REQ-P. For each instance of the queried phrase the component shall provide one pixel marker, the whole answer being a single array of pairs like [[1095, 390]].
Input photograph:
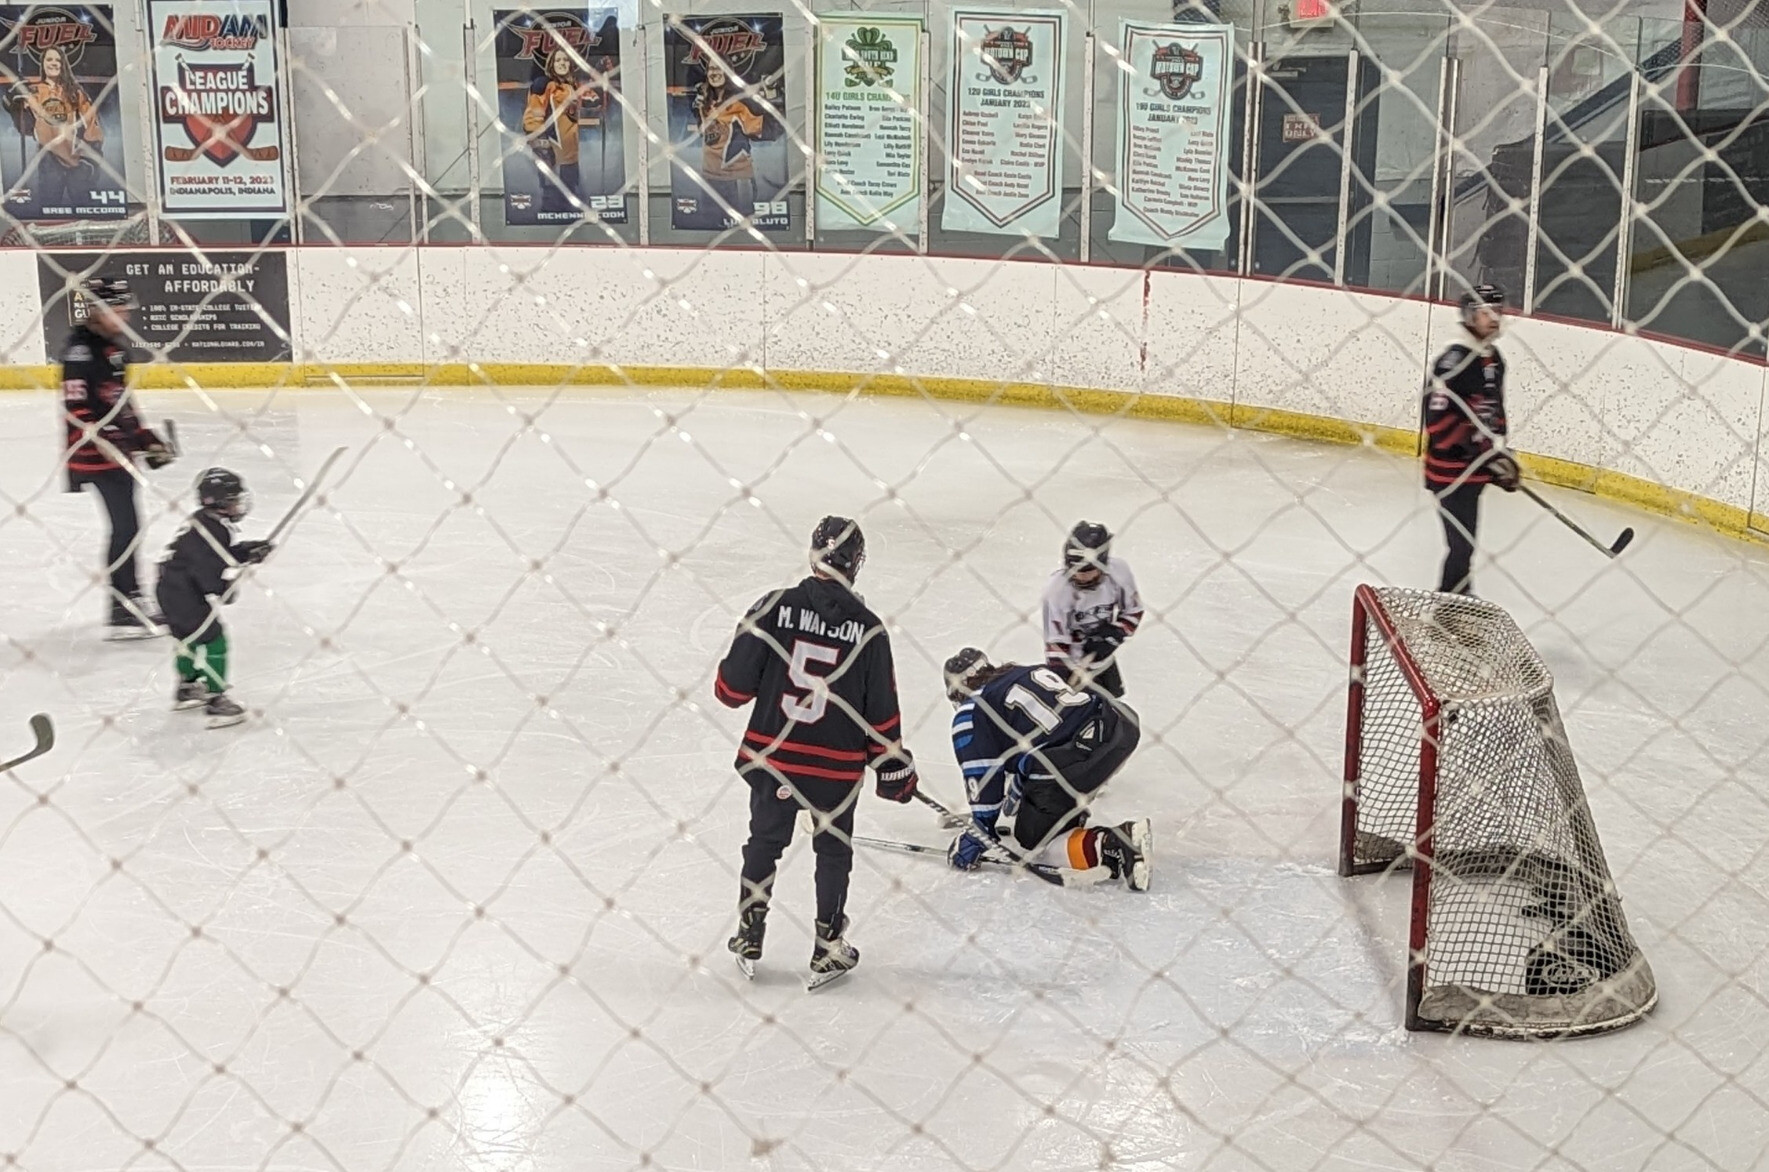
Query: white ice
[[457, 895]]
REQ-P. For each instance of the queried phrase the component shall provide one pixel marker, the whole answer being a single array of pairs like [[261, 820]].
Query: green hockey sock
[[187, 665], [215, 663]]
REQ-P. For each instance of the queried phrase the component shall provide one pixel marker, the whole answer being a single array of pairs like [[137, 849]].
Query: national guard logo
[[45, 29], [730, 41], [1176, 69], [1007, 53], [871, 58]]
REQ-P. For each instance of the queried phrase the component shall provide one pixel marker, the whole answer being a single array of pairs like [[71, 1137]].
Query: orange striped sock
[[1083, 849]]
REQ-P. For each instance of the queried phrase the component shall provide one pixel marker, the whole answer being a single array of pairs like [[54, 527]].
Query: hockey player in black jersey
[[1465, 432], [195, 578], [1034, 752], [816, 664]]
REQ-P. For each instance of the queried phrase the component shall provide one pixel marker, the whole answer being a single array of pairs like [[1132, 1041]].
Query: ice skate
[[831, 957], [189, 694], [131, 621], [746, 946], [223, 711], [1124, 849]]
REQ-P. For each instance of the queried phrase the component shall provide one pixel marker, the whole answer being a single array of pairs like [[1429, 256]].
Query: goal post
[[1457, 766]]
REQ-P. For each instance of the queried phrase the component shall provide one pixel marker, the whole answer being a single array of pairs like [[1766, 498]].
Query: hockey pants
[[771, 822], [116, 490], [1065, 777]]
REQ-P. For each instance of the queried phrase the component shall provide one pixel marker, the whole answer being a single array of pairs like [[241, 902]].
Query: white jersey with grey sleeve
[[1073, 614]]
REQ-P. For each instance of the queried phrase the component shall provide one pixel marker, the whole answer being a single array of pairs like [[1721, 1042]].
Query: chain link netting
[[457, 893]]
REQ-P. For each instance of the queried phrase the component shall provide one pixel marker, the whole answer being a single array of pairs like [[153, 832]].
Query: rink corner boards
[[1646, 495]]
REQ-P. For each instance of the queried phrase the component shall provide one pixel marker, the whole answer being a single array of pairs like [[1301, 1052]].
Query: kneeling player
[[1035, 750], [196, 567]]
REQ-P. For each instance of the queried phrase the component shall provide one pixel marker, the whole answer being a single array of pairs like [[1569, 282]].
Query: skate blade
[[747, 967], [226, 721], [817, 981], [188, 705], [130, 634]]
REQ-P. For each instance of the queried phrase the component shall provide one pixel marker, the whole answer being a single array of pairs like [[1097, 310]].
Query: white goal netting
[[606, 309]]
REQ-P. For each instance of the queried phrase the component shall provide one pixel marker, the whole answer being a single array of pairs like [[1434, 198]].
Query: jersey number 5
[[810, 708], [1033, 705]]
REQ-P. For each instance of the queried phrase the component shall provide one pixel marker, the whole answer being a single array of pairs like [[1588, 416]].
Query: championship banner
[[559, 107], [220, 306], [868, 137], [61, 148], [217, 127], [725, 79], [1004, 168], [1173, 135]]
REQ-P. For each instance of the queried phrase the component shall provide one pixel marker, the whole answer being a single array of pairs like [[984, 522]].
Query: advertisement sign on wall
[[725, 80], [218, 141], [1004, 165], [559, 106], [869, 133], [61, 155], [218, 307]]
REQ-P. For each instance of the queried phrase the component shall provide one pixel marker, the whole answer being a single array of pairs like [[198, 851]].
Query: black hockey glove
[[897, 778], [1102, 644], [251, 552], [157, 454]]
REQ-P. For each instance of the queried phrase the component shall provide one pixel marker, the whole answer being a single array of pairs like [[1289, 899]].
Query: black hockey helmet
[[963, 672], [838, 548], [1087, 547], [224, 492], [111, 291], [1481, 297]]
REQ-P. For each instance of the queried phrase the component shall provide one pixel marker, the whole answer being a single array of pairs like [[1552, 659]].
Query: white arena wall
[[1669, 427]]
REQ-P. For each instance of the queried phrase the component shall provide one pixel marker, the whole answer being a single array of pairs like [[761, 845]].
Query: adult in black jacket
[[1465, 431], [104, 434], [816, 664], [198, 567]]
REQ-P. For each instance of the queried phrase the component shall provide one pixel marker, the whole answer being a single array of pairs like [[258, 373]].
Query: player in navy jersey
[[1036, 751], [1465, 431], [817, 665]]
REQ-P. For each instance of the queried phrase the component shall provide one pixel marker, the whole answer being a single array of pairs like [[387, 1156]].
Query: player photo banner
[[559, 105], [1173, 135], [725, 79], [869, 135], [61, 145], [217, 121], [1004, 162]]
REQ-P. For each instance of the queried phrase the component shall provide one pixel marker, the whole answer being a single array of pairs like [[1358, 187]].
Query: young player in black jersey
[[195, 577], [1465, 433], [104, 434], [1035, 751], [817, 665]]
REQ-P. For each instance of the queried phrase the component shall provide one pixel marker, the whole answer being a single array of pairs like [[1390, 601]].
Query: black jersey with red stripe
[[1464, 415], [817, 664], [102, 426]]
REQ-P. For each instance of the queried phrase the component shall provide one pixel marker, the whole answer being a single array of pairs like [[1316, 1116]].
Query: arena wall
[[1668, 427]]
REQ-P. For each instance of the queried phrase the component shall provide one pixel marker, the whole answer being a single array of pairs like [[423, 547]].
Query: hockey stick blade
[[171, 429], [1610, 550], [44, 730], [1055, 876]]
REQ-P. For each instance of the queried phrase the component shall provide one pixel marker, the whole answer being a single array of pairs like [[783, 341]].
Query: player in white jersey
[[1090, 607]]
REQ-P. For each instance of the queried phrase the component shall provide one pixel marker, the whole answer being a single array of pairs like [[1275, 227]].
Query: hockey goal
[[1457, 765]]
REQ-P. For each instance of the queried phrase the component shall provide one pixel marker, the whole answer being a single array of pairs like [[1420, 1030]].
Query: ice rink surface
[[456, 897]]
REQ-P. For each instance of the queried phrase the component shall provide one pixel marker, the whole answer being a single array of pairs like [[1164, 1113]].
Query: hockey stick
[[171, 429], [1056, 876], [306, 494], [949, 819], [44, 731], [1611, 550]]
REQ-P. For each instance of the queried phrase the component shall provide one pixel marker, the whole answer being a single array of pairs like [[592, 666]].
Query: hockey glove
[[1505, 472], [252, 552], [157, 454], [897, 778], [967, 850]]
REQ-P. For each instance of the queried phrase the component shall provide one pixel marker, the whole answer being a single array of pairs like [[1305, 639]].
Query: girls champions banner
[[559, 105], [725, 80], [61, 144], [1173, 135], [1004, 162], [217, 121], [868, 135]]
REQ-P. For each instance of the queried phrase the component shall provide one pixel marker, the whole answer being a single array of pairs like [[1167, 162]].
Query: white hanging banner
[[1173, 135], [869, 140], [1004, 161], [217, 118]]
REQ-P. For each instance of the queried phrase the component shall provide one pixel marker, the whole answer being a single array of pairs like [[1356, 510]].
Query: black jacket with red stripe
[[1464, 416], [101, 420], [817, 663]]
